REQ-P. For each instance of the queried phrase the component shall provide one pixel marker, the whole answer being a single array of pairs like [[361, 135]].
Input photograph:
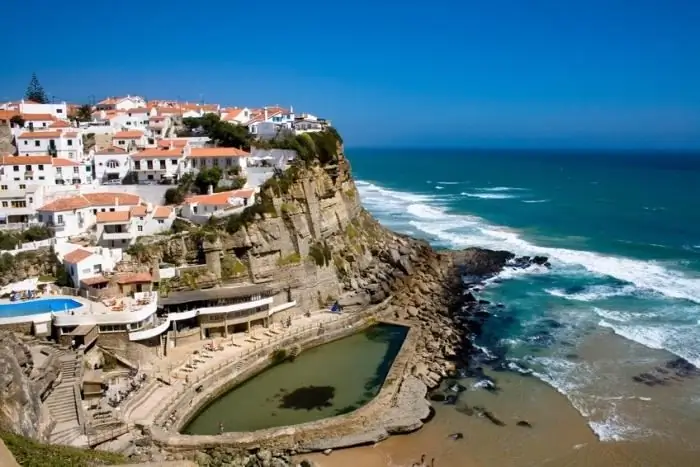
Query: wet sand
[[559, 436]]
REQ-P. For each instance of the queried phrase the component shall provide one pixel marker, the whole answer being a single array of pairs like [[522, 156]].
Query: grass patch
[[47, 278], [293, 258], [288, 208], [30, 453]]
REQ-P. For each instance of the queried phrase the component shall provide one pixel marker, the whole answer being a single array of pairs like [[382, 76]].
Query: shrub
[[279, 356], [174, 196]]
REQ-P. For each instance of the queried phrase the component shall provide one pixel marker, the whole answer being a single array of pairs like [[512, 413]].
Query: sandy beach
[[559, 436]]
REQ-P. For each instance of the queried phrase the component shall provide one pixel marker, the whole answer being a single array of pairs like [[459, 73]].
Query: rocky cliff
[[27, 264], [21, 385], [6, 139]]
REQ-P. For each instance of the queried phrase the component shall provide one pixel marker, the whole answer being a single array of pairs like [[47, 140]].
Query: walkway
[[63, 404]]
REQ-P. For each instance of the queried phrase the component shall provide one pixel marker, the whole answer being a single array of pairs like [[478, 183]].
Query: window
[[149, 165], [150, 177], [121, 141], [94, 211], [194, 209], [173, 161], [26, 142], [16, 179], [18, 204], [140, 227], [161, 221], [97, 268], [216, 162], [128, 123], [203, 163], [70, 155], [41, 177], [228, 162], [4, 204], [103, 209], [112, 209], [15, 168], [27, 168], [3, 187], [162, 165], [59, 111], [112, 164], [137, 165], [59, 219], [43, 124], [58, 170], [70, 142], [41, 167], [31, 200], [76, 170], [23, 187]]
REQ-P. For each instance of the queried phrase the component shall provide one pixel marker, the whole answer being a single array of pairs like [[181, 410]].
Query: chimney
[[210, 190], [265, 112]]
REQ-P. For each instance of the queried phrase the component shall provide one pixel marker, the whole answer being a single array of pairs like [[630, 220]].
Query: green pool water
[[325, 381]]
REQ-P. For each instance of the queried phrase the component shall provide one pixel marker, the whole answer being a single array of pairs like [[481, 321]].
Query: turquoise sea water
[[622, 231]]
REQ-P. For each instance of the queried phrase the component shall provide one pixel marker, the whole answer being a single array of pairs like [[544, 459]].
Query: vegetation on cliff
[[11, 239], [30, 453]]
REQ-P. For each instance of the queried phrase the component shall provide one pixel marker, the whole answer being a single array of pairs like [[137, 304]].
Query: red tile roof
[[133, 134], [61, 162], [134, 277], [116, 216], [218, 152], [219, 198], [60, 124], [38, 117], [39, 134], [76, 256], [147, 153], [112, 199], [138, 211], [25, 160], [162, 212]]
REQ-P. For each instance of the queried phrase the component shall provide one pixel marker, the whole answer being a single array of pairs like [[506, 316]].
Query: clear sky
[[387, 72]]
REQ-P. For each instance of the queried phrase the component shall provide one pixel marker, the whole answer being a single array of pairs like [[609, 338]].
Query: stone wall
[[137, 352]]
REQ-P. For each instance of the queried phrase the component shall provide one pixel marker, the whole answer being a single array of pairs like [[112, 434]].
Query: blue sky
[[475, 73]]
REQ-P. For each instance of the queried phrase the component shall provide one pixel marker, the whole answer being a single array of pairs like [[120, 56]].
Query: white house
[[37, 122], [130, 119], [268, 121], [74, 215], [67, 145], [224, 158], [82, 264], [56, 110], [17, 172], [158, 125], [111, 163], [121, 103], [237, 115], [129, 140], [307, 123], [119, 229], [160, 164], [200, 208], [18, 206]]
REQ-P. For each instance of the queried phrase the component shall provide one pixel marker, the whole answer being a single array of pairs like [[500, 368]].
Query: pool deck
[[90, 312]]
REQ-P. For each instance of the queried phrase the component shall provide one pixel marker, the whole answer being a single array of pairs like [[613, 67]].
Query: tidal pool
[[322, 382]]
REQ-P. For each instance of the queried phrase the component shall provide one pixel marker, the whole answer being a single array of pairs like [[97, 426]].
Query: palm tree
[[84, 113]]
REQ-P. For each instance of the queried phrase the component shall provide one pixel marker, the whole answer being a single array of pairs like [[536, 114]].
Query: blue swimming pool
[[37, 306]]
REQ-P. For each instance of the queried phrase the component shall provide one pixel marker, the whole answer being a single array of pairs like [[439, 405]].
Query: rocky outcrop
[[26, 264], [21, 387], [6, 139]]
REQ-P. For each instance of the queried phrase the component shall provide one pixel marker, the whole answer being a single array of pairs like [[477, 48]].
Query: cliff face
[[21, 386], [6, 146], [26, 264]]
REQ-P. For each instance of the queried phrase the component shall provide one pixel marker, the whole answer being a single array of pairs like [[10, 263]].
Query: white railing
[[31, 246], [151, 332]]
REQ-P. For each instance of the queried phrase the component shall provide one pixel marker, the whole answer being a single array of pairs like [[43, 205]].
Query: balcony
[[117, 235]]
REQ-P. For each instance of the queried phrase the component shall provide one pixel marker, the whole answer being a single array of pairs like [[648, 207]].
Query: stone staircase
[[62, 402]]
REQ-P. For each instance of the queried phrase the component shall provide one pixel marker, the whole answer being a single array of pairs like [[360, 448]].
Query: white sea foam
[[448, 183], [535, 201], [460, 231], [595, 292], [681, 340], [502, 188], [438, 187], [614, 428], [619, 316], [489, 195]]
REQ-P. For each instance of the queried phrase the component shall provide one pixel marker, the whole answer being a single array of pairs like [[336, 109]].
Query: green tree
[[207, 177], [84, 113], [174, 196], [237, 183], [17, 120], [35, 92]]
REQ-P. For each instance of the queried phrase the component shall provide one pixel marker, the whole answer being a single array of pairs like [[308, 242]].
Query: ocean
[[607, 324]]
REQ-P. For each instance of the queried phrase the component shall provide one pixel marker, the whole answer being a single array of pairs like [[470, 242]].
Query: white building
[[66, 145], [307, 123], [235, 115], [120, 229], [18, 206], [121, 103], [129, 140], [37, 122], [200, 208], [82, 264], [131, 119], [57, 111], [18, 172], [111, 164], [224, 158], [160, 164]]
